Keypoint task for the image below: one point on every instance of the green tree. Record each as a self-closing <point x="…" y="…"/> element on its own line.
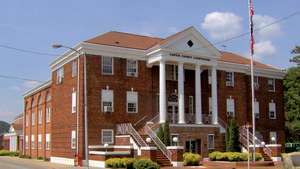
<point x="160" y="133"/>
<point x="232" y="137"/>
<point x="291" y="84"/>
<point x="167" y="134"/>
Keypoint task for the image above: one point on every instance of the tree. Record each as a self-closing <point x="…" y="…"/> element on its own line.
<point x="296" y="58"/>
<point x="232" y="137"/>
<point x="291" y="84"/>
<point x="160" y="133"/>
<point x="167" y="134"/>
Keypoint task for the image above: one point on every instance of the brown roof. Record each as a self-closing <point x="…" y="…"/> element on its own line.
<point x="133" y="41"/>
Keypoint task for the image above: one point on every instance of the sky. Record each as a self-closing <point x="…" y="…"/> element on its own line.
<point x="35" y="25"/>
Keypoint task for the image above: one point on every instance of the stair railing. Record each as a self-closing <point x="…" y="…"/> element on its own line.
<point x="162" y="147"/>
<point x="127" y="128"/>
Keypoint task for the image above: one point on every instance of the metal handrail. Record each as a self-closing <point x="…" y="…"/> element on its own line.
<point x="158" y="142"/>
<point x="139" y="121"/>
<point x="127" y="128"/>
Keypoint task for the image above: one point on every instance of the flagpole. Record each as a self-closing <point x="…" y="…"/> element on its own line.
<point x="251" y="13"/>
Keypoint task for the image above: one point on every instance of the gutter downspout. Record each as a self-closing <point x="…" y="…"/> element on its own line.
<point x="77" y="104"/>
<point x="85" y="116"/>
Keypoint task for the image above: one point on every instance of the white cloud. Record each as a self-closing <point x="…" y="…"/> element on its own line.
<point x="264" y="49"/>
<point x="268" y="32"/>
<point x="222" y="25"/>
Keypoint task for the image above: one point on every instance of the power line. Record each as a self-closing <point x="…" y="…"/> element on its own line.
<point x="27" y="50"/>
<point x="19" y="78"/>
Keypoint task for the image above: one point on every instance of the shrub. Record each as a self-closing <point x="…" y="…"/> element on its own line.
<point x="232" y="137"/>
<point x="167" y="136"/>
<point x="24" y="156"/>
<point x="232" y="156"/>
<point x="191" y="159"/>
<point x="40" y="158"/>
<point x="128" y="162"/>
<point x="145" y="164"/>
<point x="114" y="163"/>
<point x="8" y="153"/>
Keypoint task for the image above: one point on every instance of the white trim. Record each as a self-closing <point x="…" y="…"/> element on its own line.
<point x="148" y="148"/>
<point x="194" y="125"/>
<point x="62" y="160"/>
<point x="107" y="153"/>
<point x="109" y="146"/>
<point x="123" y="136"/>
<point x="276" y="158"/>
<point x="175" y="147"/>
<point x="112" y="139"/>
<point x="273" y="145"/>
<point x="136" y="68"/>
<point x="112" y="65"/>
<point x="37" y="88"/>
<point x="178" y="164"/>
<point x="97" y="164"/>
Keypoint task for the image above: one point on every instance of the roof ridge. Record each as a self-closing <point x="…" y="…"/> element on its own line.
<point x="129" y="33"/>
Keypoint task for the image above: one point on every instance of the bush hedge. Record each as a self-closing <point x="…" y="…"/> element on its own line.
<point x="130" y="163"/>
<point x="191" y="159"/>
<point x="8" y="153"/>
<point x="232" y="156"/>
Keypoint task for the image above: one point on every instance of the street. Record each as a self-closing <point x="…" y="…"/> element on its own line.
<point x="18" y="163"/>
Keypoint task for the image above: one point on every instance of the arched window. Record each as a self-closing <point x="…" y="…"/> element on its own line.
<point x="48" y="97"/>
<point x="39" y="100"/>
<point x="32" y="102"/>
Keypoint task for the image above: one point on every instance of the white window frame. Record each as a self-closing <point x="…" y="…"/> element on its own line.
<point x="230" y="107"/>
<point x="108" y="97"/>
<point x="40" y="116"/>
<point x="74" y="68"/>
<point x="73" y="139"/>
<point x="32" y="142"/>
<point x="256" y="109"/>
<point x="132" y="98"/>
<point x="32" y="118"/>
<point x="131" y="66"/>
<point x="60" y="75"/>
<point x="273" y="84"/>
<point x="112" y="136"/>
<point x="272" y="108"/>
<point x="102" y="65"/>
<point x="48" y="141"/>
<point x="48" y="114"/>
<point x="229" y="82"/>
<point x="271" y="134"/>
<point x="39" y="141"/>
<point x="173" y="72"/>
<point x="191" y="104"/>
<point x="26" y="142"/>
<point x="74" y="102"/>
<point x="211" y="147"/>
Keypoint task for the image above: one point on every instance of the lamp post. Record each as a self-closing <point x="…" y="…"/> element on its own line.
<point x="56" y="46"/>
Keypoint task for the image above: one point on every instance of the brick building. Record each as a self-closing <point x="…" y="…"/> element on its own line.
<point x="127" y="84"/>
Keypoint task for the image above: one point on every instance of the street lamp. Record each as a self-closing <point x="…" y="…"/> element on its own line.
<point x="56" y="46"/>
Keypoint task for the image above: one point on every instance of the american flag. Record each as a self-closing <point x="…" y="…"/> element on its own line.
<point x="251" y="14"/>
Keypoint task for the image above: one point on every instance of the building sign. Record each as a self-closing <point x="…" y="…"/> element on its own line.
<point x="187" y="56"/>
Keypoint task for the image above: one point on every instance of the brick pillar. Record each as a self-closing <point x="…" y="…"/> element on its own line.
<point x="177" y="155"/>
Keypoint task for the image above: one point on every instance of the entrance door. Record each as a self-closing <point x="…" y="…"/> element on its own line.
<point x="193" y="146"/>
<point x="173" y="113"/>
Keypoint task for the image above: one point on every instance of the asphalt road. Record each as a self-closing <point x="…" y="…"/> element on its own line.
<point x="18" y="163"/>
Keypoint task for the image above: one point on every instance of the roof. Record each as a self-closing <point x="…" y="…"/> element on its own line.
<point x="38" y="88"/>
<point x="141" y="42"/>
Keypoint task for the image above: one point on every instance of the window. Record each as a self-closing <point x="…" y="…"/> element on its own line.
<point x="209" y="105"/>
<point x="230" y="107"/>
<point x="174" y="139"/>
<point x="48" y="97"/>
<point x="272" y="110"/>
<point x="230" y="79"/>
<point x="32" y="142"/>
<point x="256" y="109"/>
<point x="256" y="83"/>
<point x="132" y="68"/>
<point x="74" y="101"/>
<point x="107" y="136"/>
<point x="32" y="118"/>
<point x="47" y="141"/>
<point x="273" y="137"/>
<point x="39" y="141"/>
<point x="59" y="75"/>
<point x="26" y="142"/>
<point x="107" y="97"/>
<point x="107" y="65"/>
<point x="73" y="139"/>
<point x="191" y="104"/>
<point x="210" y="141"/>
<point x="48" y="114"/>
<point x="40" y="116"/>
<point x="172" y="72"/>
<point x="74" y="68"/>
<point x="271" y="85"/>
<point x="132" y="102"/>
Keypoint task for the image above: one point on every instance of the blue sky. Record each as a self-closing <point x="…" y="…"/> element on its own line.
<point x="35" y="25"/>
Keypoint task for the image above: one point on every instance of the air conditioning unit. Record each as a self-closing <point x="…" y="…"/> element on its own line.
<point x="107" y="109"/>
<point x="229" y="83"/>
<point x="132" y="74"/>
<point x="74" y="109"/>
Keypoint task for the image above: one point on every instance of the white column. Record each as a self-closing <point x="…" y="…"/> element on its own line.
<point x="181" y="113"/>
<point x="214" y="95"/>
<point x="162" y="92"/>
<point x="198" y="94"/>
